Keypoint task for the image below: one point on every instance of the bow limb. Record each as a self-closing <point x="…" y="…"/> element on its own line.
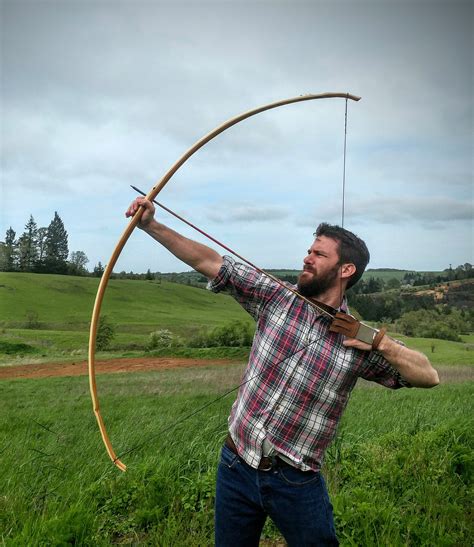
<point x="133" y="223"/>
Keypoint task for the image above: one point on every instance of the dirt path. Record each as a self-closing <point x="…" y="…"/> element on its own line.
<point x="448" y="373"/>
<point x="137" y="364"/>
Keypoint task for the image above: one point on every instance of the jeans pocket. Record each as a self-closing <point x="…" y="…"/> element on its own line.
<point x="228" y="458"/>
<point x="294" y="477"/>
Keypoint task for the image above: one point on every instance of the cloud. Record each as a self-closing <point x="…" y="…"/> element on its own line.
<point x="247" y="213"/>
<point x="98" y="95"/>
<point x="430" y="211"/>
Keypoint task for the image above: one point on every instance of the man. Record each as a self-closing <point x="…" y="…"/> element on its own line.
<point x="296" y="385"/>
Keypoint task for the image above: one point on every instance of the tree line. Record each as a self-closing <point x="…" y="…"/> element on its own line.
<point x="41" y="250"/>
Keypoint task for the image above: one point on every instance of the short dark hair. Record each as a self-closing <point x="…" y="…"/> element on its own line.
<point x="351" y="248"/>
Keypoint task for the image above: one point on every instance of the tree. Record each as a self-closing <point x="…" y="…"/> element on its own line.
<point x="28" y="247"/>
<point x="9" y="252"/>
<point x="56" y="248"/>
<point x="392" y="283"/>
<point x="77" y="263"/>
<point x="41" y="242"/>
<point x="98" y="270"/>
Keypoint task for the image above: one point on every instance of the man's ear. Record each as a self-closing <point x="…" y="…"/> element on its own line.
<point x="347" y="270"/>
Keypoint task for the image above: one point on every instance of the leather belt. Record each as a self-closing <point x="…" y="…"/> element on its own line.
<point x="266" y="463"/>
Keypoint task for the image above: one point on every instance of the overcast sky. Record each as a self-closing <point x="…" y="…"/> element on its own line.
<point x="97" y="95"/>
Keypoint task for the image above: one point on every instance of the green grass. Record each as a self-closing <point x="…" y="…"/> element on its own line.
<point x="48" y="345"/>
<point x="399" y="472"/>
<point x="63" y="306"/>
<point x="65" y="303"/>
<point x="60" y="307"/>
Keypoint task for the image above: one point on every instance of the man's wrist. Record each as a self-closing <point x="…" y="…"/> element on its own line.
<point x="149" y="226"/>
<point x="387" y="345"/>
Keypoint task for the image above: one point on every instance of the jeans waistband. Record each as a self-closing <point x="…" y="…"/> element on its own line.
<point x="267" y="463"/>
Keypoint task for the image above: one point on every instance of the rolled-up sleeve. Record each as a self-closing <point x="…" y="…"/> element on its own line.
<point x="247" y="285"/>
<point x="378" y="369"/>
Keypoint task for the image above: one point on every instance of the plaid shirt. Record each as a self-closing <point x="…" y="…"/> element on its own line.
<point x="299" y="376"/>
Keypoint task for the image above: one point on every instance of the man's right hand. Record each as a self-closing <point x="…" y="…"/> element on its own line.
<point x="148" y="213"/>
<point x="200" y="257"/>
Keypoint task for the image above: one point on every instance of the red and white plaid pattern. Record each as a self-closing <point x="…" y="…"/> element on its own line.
<point x="299" y="376"/>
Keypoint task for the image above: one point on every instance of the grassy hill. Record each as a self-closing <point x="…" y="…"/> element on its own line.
<point x="46" y="317"/>
<point x="65" y="302"/>
<point x="51" y="313"/>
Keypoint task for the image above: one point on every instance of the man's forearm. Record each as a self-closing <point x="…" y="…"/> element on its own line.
<point x="200" y="257"/>
<point x="413" y="366"/>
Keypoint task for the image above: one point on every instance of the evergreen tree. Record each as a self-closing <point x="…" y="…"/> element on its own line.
<point x="41" y="239"/>
<point x="28" y="247"/>
<point x="98" y="270"/>
<point x="9" y="252"/>
<point x="56" y="249"/>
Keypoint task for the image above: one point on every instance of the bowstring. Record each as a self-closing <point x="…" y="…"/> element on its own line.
<point x="343" y="207"/>
<point x="344" y="168"/>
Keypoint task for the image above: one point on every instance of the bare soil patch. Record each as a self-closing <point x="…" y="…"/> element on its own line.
<point x="448" y="373"/>
<point x="111" y="366"/>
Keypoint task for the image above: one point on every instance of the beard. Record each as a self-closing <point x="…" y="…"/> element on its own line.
<point x="318" y="284"/>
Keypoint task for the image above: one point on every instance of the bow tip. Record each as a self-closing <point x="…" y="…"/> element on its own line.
<point x="120" y="465"/>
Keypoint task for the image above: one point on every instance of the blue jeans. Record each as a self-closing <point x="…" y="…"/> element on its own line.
<point x="296" y="501"/>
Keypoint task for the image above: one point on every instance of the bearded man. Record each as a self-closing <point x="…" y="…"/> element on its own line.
<point x="295" y="387"/>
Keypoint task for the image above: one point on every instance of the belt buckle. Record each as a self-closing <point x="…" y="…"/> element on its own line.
<point x="270" y="462"/>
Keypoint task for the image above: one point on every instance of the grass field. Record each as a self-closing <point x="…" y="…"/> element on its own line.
<point x="65" y="303"/>
<point x="62" y="306"/>
<point x="399" y="472"/>
<point x="51" y="314"/>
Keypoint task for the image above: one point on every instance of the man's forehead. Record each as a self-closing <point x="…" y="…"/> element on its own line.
<point x="324" y="242"/>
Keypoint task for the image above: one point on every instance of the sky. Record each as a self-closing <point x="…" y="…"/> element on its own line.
<point x="98" y="95"/>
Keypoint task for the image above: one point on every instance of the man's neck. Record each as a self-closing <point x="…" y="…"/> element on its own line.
<point x="332" y="298"/>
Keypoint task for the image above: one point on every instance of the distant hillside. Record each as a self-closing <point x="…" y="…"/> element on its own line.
<point x="198" y="280"/>
<point x="65" y="302"/>
<point x="459" y="294"/>
<point x="383" y="274"/>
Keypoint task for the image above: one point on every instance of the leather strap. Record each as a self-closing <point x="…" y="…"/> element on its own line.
<point x="378" y="338"/>
<point x="349" y="326"/>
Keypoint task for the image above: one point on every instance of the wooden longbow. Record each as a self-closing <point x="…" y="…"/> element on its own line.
<point x="132" y="225"/>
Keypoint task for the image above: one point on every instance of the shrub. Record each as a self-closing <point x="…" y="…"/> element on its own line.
<point x="32" y="320"/>
<point x="162" y="338"/>
<point x="441" y="323"/>
<point x="234" y="334"/>
<point x="105" y="333"/>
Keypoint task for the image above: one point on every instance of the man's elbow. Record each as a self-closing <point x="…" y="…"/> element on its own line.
<point x="431" y="379"/>
<point x="434" y="378"/>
